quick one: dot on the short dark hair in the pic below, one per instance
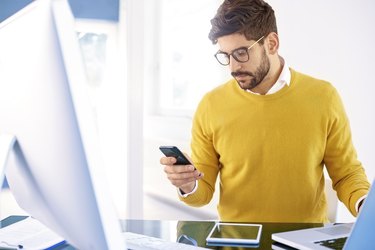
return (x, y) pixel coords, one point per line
(252, 18)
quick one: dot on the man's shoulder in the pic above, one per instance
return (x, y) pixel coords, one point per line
(315, 90)
(307, 81)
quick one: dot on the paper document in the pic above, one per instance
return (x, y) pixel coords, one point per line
(28, 234)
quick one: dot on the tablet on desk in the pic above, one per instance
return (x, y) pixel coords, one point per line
(235, 233)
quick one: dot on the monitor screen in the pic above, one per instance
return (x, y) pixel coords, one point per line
(54, 170)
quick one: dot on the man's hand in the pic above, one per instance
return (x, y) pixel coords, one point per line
(181, 176)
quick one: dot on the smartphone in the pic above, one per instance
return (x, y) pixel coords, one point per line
(234, 234)
(173, 151)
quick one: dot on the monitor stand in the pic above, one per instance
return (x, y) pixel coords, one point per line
(7, 142)
(6, 145)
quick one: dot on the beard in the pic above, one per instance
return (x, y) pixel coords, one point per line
(242, 77)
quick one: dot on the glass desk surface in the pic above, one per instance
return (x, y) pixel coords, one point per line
(194, 232)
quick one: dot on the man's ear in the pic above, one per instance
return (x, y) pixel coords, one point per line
(272, 43)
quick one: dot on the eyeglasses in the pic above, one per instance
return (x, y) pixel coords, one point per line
(240, 55)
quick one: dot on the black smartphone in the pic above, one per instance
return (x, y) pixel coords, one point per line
(173, 151)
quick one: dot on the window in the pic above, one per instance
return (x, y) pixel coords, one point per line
(187, 66)
(99, 45)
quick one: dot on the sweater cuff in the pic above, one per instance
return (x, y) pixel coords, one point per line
(359, 201)
(179, 191)
(356, 199)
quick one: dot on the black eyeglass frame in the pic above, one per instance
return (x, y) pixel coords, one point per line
(235, 54)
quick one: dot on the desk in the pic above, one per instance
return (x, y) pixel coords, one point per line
(198, 230)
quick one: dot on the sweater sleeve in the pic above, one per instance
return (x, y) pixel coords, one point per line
(346, 171)
(204, 156)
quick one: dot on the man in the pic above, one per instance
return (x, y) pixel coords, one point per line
(268, 132)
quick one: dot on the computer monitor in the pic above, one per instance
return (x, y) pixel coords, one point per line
(54, 169)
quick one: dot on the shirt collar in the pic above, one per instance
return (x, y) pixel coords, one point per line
(282, 81)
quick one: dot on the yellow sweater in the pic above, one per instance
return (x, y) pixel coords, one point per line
(270, 151)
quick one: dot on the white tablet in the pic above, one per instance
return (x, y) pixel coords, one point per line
(235, 233)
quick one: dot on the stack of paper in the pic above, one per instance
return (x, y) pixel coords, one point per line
(28, 234)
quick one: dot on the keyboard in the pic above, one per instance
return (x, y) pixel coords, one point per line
(334, 243)
(143, 242)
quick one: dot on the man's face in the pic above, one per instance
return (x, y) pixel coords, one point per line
(247, 74)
